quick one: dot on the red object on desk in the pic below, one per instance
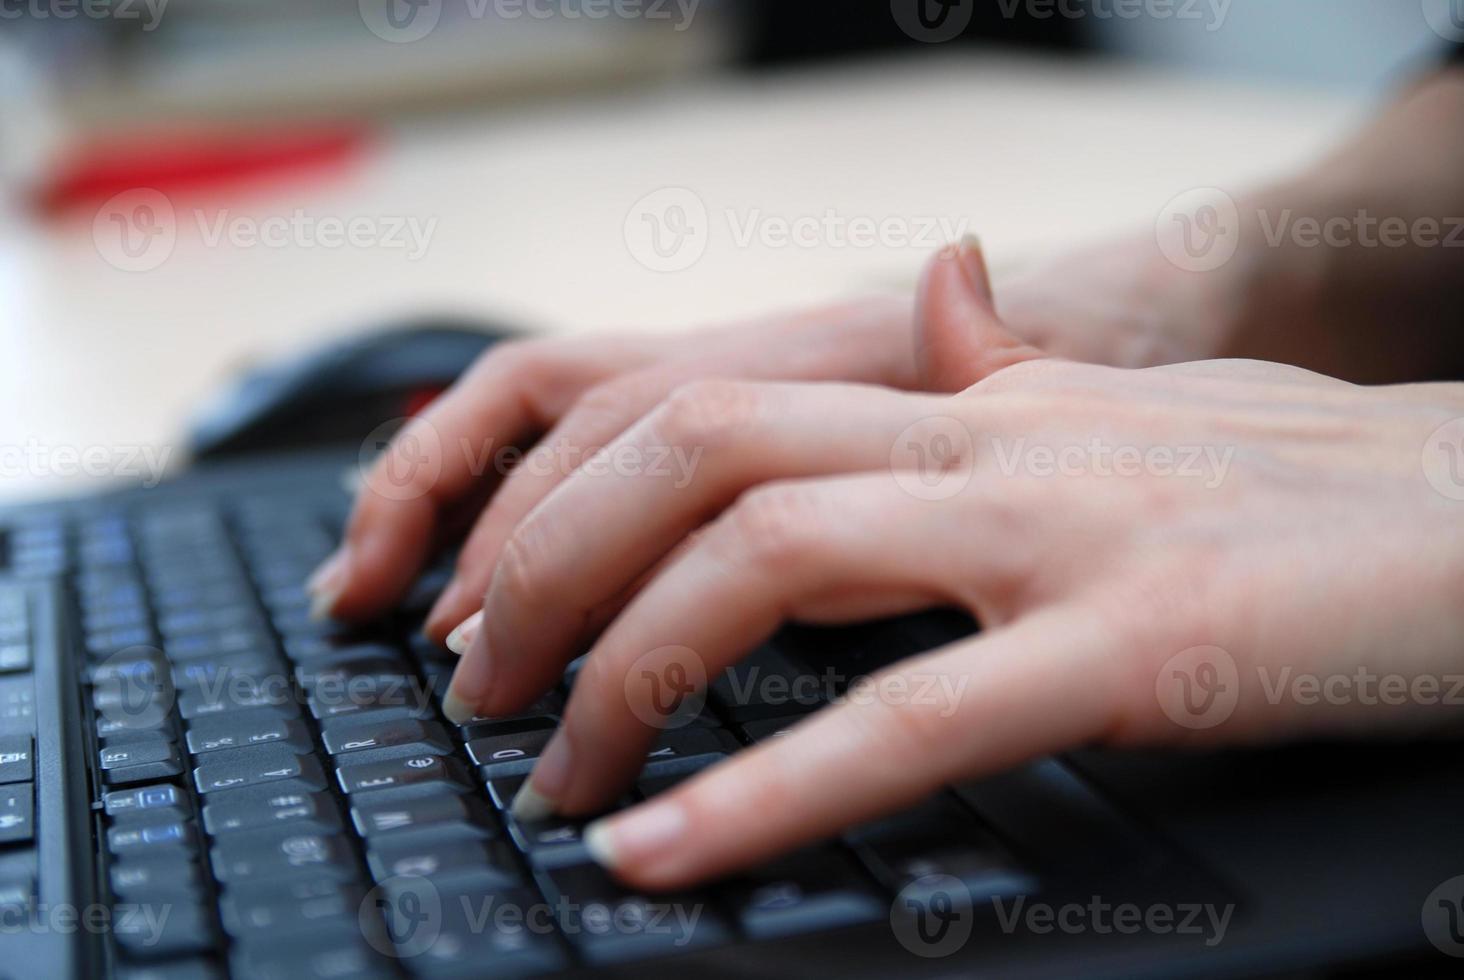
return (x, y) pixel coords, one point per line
(182, 161)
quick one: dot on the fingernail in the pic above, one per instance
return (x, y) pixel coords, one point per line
(530, 805)
(326, 584)
(459, 638)
(636, 836)
(539, 796)
(973, 262)
(456, 708)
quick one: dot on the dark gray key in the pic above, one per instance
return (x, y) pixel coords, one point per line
(265, 912)
(398, 773)
(141, 760)
(939, 837)
(265, 855)
(17, 765)
(151, 803)
(608, 922)
(208, 701)
(447, 814)
(551, 842)
(508, 755)
(338, 952)
(17, 813)
(543, 713)
(288, 803)
(478, 866)
(155, 877)
(465, 941)
(804, 892)
(236, 768)
(146, 838)
(159, 930)
(769, 728)
(765, 684)
(242, 729)
(343, 736)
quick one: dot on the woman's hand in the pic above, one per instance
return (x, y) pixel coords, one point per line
(1157, 556)
(582, 392)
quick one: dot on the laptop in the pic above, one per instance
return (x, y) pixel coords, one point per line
(199, 781)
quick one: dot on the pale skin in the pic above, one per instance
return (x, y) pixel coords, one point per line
(1321, 547)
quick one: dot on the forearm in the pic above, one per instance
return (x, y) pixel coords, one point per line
(1356, 268)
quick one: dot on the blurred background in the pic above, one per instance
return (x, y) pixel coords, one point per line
(192, 185)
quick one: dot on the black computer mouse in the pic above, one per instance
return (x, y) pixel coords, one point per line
(339, 393)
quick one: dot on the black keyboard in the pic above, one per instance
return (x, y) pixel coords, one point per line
(272, 796)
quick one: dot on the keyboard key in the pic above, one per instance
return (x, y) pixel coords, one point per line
(553, 841)
(144, 760)
(606, 922)
(242, 729)
(235, 768)
(263, 911)
(17, 765)
(265, 855)
(156, 877)
(508, 755)
(175, 835)
(769, 728)
(289, 803)
(342, 736)
(447, 814)
(242, 696)
(765, 684)
(149, 933)
(804, 892)
(543, 713)
(476, 866)
(339, 952)
(475, 936)
(17, 814)
(940, 837)
(398, 773)
(145, 802)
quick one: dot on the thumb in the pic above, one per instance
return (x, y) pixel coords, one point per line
(959, 339)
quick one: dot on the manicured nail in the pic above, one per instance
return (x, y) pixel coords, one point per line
(326, 584)
(973, 262)
(636, 836)
(458, 639)
(446, 601)
(457, 710)
(530, 805)
(540, 794)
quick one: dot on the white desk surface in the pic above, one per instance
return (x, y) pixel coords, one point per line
(530, 206)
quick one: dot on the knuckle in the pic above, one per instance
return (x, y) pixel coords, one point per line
(605, 409)
(906, 730)
(523, 569)
(1024, 374)
(709, 412)
(775, 524)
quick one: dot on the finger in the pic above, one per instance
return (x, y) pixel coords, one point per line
(684, 463)
(839, 549)
(1047, 683)
(852, 342)
(439, 457)
(959, 339)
